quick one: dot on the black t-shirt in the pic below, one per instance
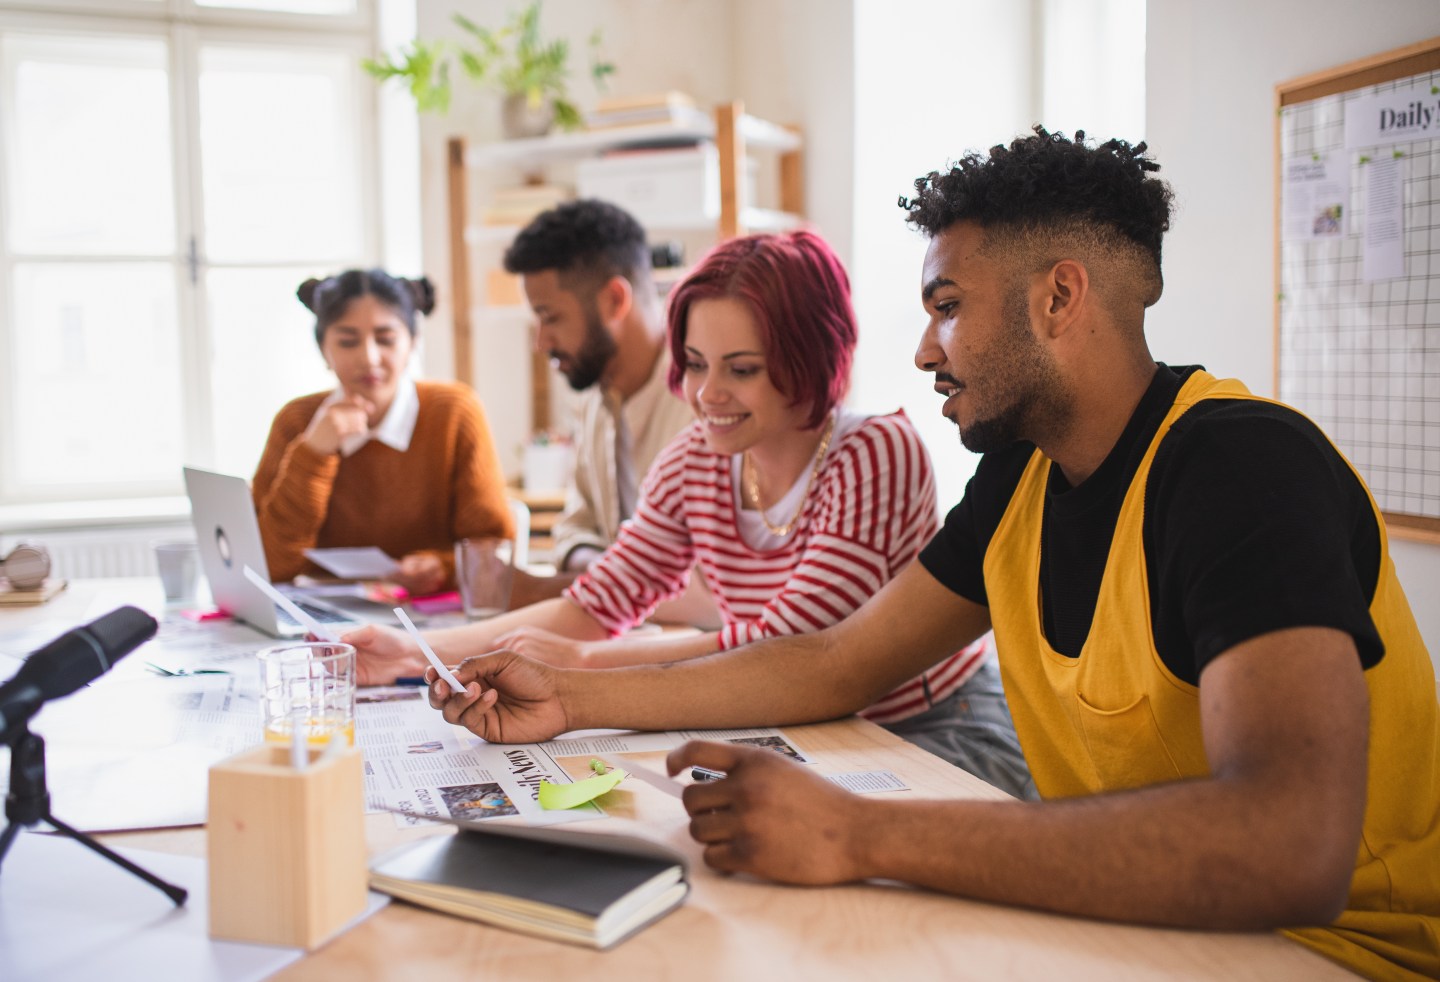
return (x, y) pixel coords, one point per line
(1253, 523)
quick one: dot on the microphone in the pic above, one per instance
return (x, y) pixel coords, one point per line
(74, 658)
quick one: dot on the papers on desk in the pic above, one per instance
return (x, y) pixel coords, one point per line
(595, 743)
(368, 563)
(72, 914)
(133, 751)
(416, 762)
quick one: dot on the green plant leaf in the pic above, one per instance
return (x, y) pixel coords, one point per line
(474, 65)
(567, 117)
(512, 58)
(528, 25)
(423, 68)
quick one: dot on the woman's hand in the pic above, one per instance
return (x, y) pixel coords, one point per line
(421, 573)
(548, 647)
(340, 420)
(383, 654)
(507, 698)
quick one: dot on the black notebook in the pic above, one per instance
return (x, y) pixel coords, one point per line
(586, 888)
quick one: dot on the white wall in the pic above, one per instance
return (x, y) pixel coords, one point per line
(931, 82)
(1211, 70)
(790, 61)
(656, 45)
(795, 64)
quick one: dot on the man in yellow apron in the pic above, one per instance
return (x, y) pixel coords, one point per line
(1214, 673)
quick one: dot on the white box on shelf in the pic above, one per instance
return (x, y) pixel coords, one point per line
(666, 188)
(547, 467)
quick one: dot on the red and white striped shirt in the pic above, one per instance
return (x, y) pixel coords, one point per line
(870, 510)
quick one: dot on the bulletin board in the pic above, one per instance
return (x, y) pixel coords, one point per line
(1357, 267)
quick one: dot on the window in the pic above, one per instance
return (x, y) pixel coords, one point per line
(166, 181)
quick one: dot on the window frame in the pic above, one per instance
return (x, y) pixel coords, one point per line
(185, 28)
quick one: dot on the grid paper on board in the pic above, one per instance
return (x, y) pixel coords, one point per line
(1363, 359)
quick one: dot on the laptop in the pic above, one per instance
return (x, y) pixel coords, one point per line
(228, 535)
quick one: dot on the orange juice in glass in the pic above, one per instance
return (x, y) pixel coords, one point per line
(309, 685)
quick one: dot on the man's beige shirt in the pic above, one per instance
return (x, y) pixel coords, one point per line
(592, 507)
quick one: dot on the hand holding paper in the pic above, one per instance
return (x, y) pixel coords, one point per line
(520, 700)
(367, 563)
(767, 803)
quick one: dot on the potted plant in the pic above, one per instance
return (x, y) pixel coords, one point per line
(530, 73)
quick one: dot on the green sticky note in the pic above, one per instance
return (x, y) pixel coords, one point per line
(557, 796)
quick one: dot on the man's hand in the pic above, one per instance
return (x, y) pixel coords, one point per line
(507, 698)
(771, 817)
(421, 573)
(546, 646)
(382, 654)
(329, 429)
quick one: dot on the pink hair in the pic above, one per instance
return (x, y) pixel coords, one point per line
(799, 295)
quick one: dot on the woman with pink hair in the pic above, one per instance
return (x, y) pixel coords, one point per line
(794, 509)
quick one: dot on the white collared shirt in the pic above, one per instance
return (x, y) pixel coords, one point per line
(394, 430)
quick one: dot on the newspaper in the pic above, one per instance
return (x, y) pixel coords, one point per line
(416, 762)
(133, 750)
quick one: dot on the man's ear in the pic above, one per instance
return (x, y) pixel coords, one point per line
(1064, 293)
(614, 300)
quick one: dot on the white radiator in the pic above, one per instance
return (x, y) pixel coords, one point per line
(83, 553)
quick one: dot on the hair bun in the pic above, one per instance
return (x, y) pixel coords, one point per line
(423, 291)
(306, 293)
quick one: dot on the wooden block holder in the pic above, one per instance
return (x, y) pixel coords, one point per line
(288, 862)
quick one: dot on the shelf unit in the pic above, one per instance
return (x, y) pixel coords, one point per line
(735, 134)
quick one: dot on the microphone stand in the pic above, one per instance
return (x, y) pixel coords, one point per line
(28, 802)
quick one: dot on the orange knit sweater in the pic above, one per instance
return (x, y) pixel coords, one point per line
(446, 486)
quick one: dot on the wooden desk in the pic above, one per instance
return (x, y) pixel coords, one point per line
(738, 928)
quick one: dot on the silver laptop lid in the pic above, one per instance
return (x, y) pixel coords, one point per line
(229, 539)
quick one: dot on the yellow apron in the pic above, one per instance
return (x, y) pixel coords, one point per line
(1116, 718)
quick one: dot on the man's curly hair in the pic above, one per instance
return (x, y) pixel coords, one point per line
(585, 241)
(1047, 185)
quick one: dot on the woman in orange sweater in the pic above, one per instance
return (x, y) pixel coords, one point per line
(382, 460)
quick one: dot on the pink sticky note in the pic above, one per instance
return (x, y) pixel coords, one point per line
(201, 616)
(437, 603)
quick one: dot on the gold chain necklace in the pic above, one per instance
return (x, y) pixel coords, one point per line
(752, 485)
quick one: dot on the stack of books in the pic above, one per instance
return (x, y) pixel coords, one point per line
(518, 205)
(589, 889)
(675, 108)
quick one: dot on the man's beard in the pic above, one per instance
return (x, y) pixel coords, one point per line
(594, 356)
(1025, 375)
(996, 433)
